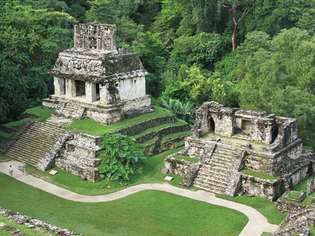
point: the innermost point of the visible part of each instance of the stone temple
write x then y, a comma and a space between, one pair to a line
96, 80
226, 141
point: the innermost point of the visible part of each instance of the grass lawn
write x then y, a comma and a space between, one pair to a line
258, 174
264, 206
146, 213
42, 113
92, 127
23, 229
18, 123
150, 173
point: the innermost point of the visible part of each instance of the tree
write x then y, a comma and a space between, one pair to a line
271, 16
203, 48
238, 10
30, 40
280, 78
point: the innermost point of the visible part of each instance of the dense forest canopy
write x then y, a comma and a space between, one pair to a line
247, 53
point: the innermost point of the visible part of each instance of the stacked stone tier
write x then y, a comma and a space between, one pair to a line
215, 173
35, 143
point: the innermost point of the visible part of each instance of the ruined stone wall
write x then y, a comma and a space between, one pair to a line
284, 160
80, 157
186, 169
107, 116
199, 148
259, 161
253, 186
224, 124
287, 132
137, 106
132, 88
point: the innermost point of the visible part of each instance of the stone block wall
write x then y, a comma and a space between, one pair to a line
80, 157
186, 169
254, 186
259, 161
137, 106
199, 148
107, 116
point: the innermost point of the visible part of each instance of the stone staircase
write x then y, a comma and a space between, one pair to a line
220, 173
35, 143
70, 110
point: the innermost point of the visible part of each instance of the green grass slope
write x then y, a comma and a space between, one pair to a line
146, 213
264, 206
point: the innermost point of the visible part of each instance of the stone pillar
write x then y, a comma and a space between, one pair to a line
59, 85
104, 94
90, 91
70, 88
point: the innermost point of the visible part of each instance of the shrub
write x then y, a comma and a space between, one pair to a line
182, 110
121, 157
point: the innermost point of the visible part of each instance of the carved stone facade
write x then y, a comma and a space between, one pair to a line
107, 83
80, 156
269, 144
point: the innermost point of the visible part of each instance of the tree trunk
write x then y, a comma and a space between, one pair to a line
234, 34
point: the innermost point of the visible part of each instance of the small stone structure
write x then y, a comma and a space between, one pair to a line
229, 139
96, 80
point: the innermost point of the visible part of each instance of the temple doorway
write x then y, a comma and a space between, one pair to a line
211, 125
97, 92
80, 88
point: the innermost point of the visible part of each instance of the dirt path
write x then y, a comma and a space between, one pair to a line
256, 225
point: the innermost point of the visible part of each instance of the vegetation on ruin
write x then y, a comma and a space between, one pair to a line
264, 206
302, 187
145, 213
150, 173
186, 158
41, 113
13, 227
258, 174
121, 157
92, 127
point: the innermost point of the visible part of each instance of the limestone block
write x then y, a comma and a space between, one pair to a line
90, 89
70, 88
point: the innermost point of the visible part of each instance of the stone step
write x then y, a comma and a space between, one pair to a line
210, 173
212, 178
220, 162
71, 110
227, 152
212, 189
34, 143
212, 181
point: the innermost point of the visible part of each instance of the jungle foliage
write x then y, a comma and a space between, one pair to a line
121, 158
247, 53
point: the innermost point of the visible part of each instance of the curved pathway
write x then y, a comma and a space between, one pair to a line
257, 223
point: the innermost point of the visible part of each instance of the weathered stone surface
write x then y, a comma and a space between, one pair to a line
47, 162
254, 186
102, 82
298, 222
270, 144
80, 156
188, 170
